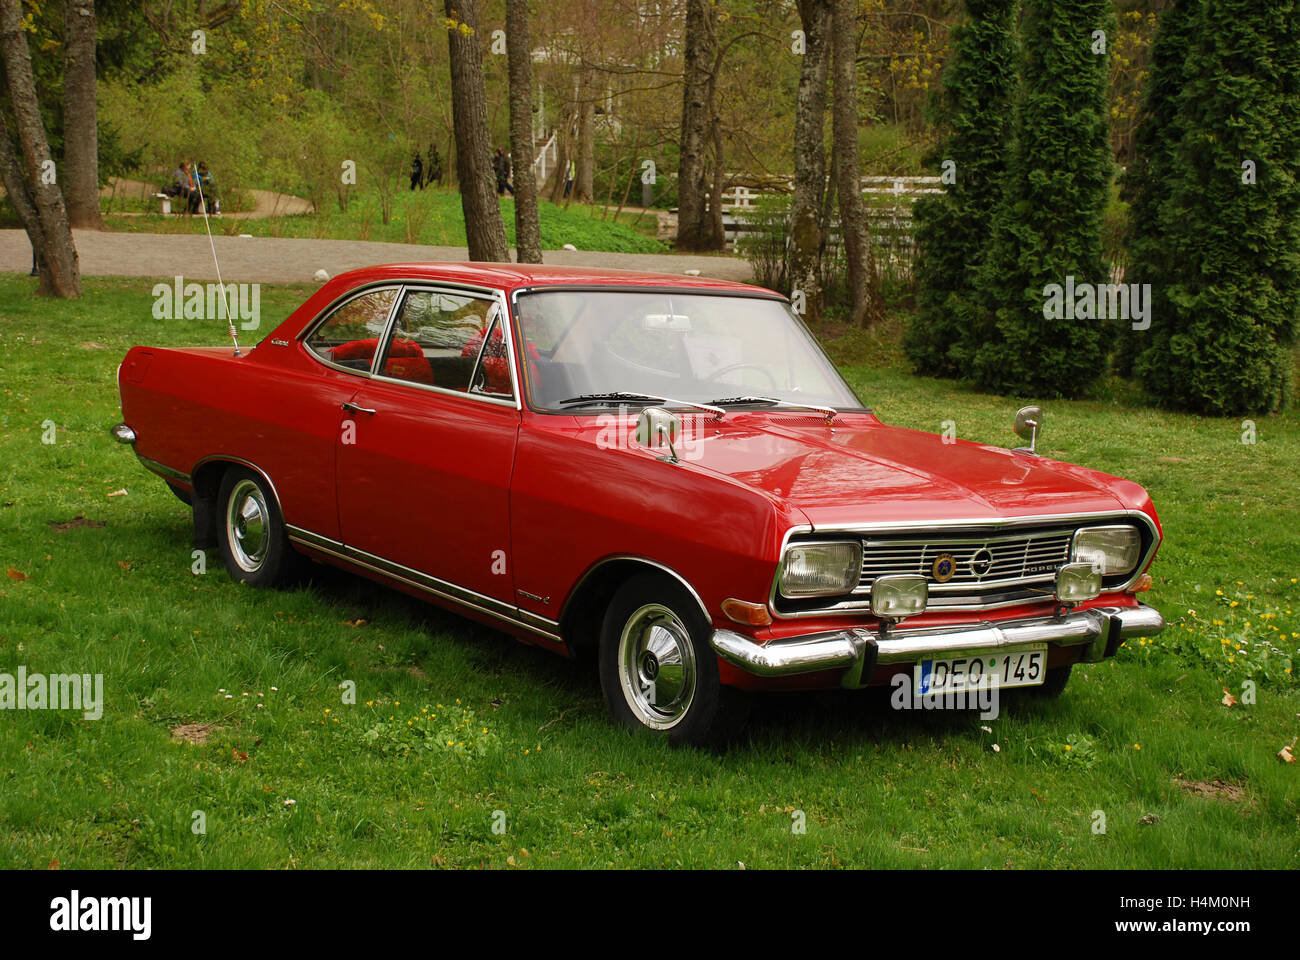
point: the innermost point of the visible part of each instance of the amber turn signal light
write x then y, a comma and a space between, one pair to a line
1141, 585
753, 614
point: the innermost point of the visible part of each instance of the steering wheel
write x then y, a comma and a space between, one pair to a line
721, 371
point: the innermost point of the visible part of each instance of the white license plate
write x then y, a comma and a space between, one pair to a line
1025, 667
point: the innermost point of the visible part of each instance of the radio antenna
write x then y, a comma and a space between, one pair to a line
203, 205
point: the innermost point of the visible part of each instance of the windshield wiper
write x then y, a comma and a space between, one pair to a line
613, 397
617, 396
829, 412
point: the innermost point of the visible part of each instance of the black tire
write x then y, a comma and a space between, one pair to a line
657, 669
1053, 685
250, 531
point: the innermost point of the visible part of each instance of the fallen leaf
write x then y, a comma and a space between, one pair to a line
118, 493
13, 574
54, 865
124, 564
355, 623
1287, 753
1228, 699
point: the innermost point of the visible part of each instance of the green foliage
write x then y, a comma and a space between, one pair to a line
767, 245
396, 732
1048, 224
1145, 184
1076, 750
952, 229
1224, 252
1242, 637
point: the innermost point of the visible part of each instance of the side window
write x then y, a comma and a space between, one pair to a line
437, 338
492, 375
350, 336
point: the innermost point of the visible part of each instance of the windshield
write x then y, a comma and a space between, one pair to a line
588, 348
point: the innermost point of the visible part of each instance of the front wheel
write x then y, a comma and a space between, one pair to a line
657, 669
250, 531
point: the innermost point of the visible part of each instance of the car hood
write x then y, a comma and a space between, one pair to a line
860, 471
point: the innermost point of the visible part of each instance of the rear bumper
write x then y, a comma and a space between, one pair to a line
858, 651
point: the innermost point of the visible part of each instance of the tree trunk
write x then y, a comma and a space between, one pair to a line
562, 158
28, 175
693, 229
810, 157
80, 139
867, 307
528, 231
484, 232
584, 180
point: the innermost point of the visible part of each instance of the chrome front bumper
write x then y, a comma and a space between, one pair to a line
858, 651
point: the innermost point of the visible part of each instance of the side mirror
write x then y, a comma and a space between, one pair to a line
1029, 420
656, 427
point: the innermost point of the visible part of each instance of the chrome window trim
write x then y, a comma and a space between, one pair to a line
340, 302
858, 607
443, 589
496, 296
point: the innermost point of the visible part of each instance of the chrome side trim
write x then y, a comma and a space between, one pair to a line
644, 560
852, 607
442, 589
164, 471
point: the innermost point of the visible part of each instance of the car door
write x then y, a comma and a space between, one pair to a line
427, 445
299, 430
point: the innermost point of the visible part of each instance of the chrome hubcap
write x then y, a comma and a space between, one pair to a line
246, 531
657, 666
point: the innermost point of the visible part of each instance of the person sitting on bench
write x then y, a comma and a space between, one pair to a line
182, 183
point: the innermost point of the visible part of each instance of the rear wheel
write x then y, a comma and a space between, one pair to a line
657, 669
250, 531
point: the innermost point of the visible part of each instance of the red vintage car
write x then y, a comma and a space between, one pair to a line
665, 473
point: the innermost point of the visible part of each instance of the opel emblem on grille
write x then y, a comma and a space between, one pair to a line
943, 568
982, 562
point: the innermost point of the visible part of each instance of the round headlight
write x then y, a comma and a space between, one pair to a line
820, 569
1110, 550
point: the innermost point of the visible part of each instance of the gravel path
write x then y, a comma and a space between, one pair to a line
290, 260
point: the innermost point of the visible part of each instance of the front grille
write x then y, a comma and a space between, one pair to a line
979, 565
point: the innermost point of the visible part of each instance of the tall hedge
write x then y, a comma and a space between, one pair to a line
1145, 184
975, 108
1048, 223
1219, 341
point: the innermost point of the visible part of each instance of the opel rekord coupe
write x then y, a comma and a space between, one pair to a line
663, 473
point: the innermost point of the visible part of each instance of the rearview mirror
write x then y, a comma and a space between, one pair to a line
1029, 420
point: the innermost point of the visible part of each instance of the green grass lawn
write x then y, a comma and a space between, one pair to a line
454, 722
432, 216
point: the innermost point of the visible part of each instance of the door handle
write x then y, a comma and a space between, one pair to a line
350, 407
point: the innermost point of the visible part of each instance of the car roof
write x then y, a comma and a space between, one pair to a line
514, 276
